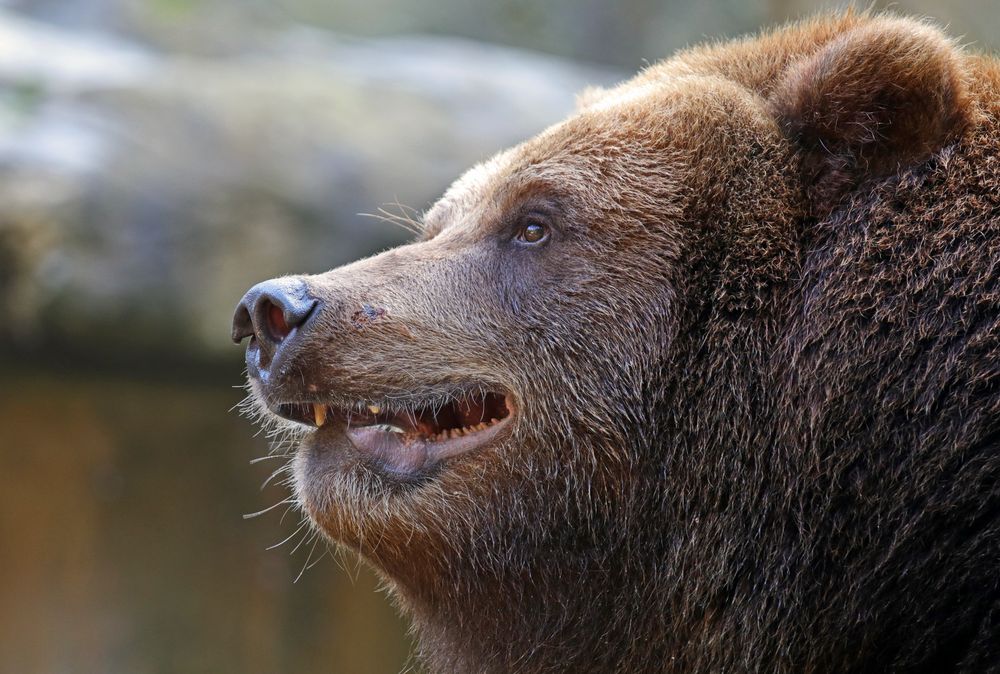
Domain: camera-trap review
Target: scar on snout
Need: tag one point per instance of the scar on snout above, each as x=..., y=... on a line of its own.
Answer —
x=366, y=315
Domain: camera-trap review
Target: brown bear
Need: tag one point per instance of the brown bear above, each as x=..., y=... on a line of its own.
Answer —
x=705, y=378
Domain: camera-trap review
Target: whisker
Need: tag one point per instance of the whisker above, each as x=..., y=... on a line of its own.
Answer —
x=275, y=474
x=285, y=514
x=269, y=457
x=250, y=516
x=407, y=218
x=293, y=534
x=326, y=551
x=308, y=536
x=308, y=557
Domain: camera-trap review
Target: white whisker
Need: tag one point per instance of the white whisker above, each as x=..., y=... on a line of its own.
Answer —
x=249, y=516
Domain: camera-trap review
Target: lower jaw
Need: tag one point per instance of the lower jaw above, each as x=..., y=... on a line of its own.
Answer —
x=391, y=451
x=400, y=455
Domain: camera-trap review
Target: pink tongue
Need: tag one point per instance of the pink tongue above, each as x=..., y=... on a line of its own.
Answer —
x=388, y=448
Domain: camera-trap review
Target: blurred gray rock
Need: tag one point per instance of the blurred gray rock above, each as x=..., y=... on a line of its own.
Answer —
x=141, y=193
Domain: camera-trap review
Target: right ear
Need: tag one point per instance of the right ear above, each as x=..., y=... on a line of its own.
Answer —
x=874, y=99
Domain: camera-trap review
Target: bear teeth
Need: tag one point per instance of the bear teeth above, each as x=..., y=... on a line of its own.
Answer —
x=430, y=424
x=452, y=433
x=389, y=428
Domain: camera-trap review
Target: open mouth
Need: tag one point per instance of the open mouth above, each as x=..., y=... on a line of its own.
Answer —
x=408, y=437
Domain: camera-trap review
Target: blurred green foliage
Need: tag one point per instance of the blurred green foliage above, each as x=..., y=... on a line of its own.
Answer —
x=623, y=33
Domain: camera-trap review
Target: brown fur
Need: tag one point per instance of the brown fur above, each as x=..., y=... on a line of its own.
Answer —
x=757, y=370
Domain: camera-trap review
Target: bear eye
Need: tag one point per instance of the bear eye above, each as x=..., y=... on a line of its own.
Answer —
x=533, y=231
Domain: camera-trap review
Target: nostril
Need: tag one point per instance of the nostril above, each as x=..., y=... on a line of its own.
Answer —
x=277, y=326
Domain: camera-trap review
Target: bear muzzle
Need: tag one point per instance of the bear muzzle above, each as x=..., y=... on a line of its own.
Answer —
x=295, y=374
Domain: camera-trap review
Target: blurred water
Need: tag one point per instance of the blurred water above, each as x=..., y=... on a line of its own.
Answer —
x=123, y=546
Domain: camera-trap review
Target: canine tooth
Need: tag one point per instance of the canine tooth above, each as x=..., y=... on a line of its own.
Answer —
x=319, y=414
x=374, y=409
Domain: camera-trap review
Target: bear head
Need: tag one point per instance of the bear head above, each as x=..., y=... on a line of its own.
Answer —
x=564, y=385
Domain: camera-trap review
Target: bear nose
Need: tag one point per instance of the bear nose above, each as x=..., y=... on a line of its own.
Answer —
x=269, y=314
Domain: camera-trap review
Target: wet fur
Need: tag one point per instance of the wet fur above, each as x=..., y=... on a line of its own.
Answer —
x=758, y=374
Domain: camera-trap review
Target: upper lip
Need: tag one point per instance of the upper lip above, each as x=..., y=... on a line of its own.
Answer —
x=429, y=418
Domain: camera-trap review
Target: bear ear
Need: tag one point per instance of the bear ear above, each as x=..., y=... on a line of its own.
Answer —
x=869, y=102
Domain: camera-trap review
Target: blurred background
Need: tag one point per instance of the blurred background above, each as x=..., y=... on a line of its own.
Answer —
x=158, y=157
